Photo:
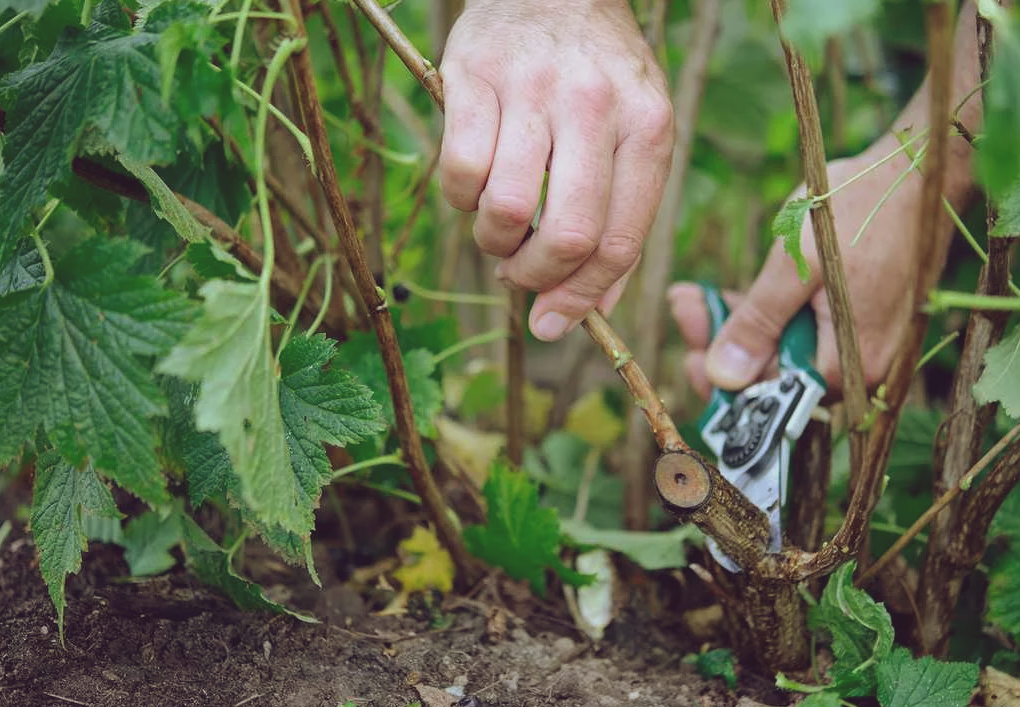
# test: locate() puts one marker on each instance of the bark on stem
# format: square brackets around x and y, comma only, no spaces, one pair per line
[956,541]
[410,441]
[823,224]
[657,263]
[851,534]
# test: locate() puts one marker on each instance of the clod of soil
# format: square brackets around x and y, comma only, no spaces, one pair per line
[169,641]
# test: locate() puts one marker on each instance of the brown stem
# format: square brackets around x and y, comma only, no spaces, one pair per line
[810,472]
[375,170]
[285,286]
[657,263]
[836,74]
[812,150]
[361,114]
[851,535]
[945,563]
[515,378]
[410,441]
[937,507]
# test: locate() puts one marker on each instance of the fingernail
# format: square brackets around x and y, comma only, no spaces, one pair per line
[551,326]
[730,366]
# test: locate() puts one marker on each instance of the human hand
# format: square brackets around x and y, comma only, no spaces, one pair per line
[571,87]
[880,272]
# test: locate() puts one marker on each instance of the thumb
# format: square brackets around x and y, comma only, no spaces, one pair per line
[748,340]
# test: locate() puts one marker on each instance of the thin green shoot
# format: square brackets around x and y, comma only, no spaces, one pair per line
[306,287]
[902,148]
[405,158]
[294,130]
[13,21]
[477,340]
[283,52]
[941,300]
[384,460]
[454,297]
[934,350]
[888,193]
[44,254]
[242,23]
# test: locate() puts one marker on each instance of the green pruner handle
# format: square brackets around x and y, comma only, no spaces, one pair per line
[797,346]
[718,313]
[799,343]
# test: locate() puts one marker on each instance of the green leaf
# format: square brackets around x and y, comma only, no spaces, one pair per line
[653,551]
[788,225]
[426,395]
[165,205]
[1007,222]
[925,682]
[718,663]
[998,155]
[70,360]
[1004,592]
[148,539]
[104,79]
[1000,380]
[22,272]
[822,699]
[519,536]
[808,23]
[214,566]
[228,352]
[63,496]
[321,403]
[861,630]
[559,466]
[205,465]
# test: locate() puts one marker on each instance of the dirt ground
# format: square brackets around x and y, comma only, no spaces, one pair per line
[169,641]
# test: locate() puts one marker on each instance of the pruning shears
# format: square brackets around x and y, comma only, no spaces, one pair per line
[753,431]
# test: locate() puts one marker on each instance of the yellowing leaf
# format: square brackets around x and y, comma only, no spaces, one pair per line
[592,420]
[467,450]
[428,565]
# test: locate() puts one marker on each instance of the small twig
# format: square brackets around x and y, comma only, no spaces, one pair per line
[246,700]
[515,378]
[937,507]
[657,263]
[282,281]
[366,120]
[410,441]
[69,700]
[823,225]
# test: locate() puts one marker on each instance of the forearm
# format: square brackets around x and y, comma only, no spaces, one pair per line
[965,96]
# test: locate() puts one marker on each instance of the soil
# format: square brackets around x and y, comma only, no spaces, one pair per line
[171,641]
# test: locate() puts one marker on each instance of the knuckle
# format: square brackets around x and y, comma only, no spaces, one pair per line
[619,251]
[573,243]
[593,95]
[508,210]
[461,178]
[656,123]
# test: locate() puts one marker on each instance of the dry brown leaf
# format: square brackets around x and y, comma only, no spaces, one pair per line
[434,697]
[999,689]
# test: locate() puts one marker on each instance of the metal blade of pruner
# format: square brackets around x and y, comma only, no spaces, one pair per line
[752,431]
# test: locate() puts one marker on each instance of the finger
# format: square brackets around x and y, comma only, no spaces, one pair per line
[639,175]
[739,353]
[514,187]
[612,297]
[687,303]
[574,215]
[697,378]
[469,138]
